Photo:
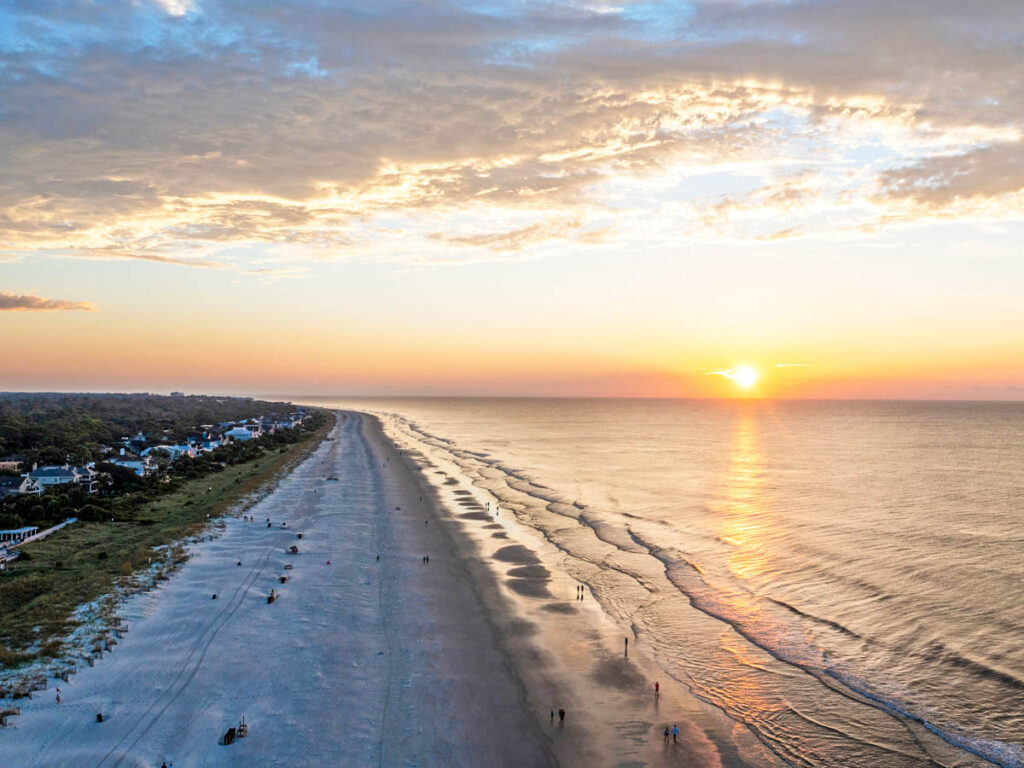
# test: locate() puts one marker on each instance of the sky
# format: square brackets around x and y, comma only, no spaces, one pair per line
[513,198]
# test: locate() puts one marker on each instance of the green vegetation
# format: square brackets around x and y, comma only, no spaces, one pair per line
[123,493]
[51,428]
[116,534]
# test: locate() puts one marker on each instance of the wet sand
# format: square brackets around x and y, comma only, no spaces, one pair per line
[567,652]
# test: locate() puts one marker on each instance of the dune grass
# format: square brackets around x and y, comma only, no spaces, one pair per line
[85,561]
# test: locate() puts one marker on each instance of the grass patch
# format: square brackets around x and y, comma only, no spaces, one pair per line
[85,561]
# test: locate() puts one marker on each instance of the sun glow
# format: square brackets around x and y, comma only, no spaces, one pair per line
[745,376]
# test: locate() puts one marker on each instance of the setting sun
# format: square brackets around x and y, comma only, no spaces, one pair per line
[745,376]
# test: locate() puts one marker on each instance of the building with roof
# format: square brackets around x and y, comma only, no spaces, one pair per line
[53,475]
[143,466]
[14,462]
[16,535]
[13,486]
[206,440]
[86,476]
[174,451]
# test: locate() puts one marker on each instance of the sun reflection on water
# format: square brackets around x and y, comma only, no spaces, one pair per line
[743,519]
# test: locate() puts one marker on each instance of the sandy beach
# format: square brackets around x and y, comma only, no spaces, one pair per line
[458,661]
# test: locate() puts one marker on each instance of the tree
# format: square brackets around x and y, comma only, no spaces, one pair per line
[8,521]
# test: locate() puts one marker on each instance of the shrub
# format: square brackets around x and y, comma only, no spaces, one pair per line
[50,649]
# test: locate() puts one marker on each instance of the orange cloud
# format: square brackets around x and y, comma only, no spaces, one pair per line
[11,302]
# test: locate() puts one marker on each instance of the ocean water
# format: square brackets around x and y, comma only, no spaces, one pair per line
[845,578]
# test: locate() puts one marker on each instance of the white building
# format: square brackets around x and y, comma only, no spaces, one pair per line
[11,486]
[52,475]
[46,477]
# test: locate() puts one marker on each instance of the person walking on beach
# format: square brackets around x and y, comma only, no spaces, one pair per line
[675,734]
[561,717]
[626,645]
[657,689]
[666,734]
[552,715]
[58,696]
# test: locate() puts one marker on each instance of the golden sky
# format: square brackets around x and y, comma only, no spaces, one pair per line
[595,199]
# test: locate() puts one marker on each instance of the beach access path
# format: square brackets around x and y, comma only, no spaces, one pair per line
[359,662]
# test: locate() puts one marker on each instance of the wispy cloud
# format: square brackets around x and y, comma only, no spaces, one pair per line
[12,302]
[514,240]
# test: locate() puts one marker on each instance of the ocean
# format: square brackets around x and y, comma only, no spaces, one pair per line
[844,578]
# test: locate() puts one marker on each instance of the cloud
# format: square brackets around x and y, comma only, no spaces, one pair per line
[988,172]
[198,128]
[176,7]
[514,240]
[11,302]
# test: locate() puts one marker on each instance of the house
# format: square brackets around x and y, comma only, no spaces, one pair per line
[240,434]
[206,440]
[16,535]
[175,451]
[13,462]
[88,477]
[49,476]
[143,466]
[11,486]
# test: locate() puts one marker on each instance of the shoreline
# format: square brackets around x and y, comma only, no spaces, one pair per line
[389,661]
[568,653]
